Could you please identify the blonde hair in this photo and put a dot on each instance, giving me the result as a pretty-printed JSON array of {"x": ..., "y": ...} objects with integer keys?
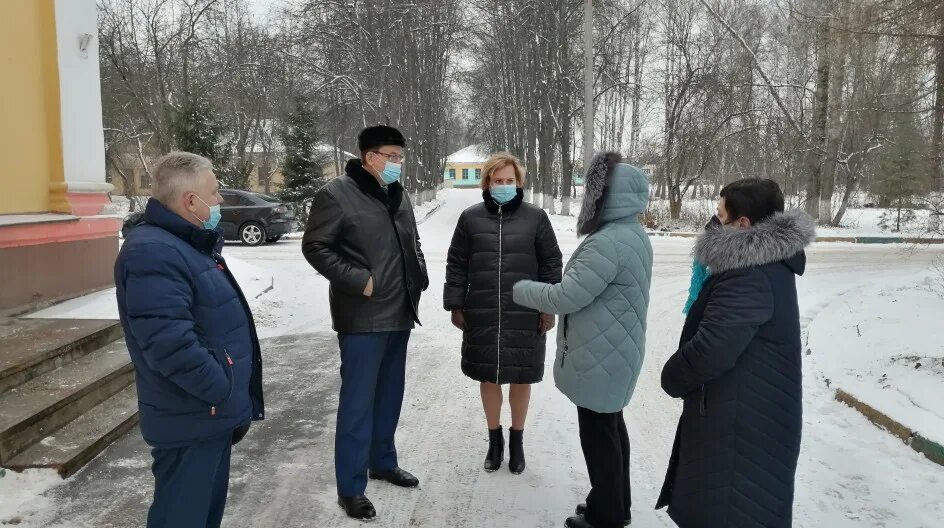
[{"x": 500, "y": 161}]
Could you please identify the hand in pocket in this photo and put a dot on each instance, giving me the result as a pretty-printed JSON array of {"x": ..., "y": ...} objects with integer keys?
[{"x": 458, "y": 319}]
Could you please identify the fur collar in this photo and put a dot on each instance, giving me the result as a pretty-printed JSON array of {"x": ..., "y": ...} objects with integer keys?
[
  {"x": 595, "y": 184},
  {"x": 369, "y": 185},
  {"x": 510, "y": 207},
  {"x": 779, "y": 238}
]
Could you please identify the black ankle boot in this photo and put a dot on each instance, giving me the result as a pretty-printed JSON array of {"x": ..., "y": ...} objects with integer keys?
[
  {"x": 516, "y": 451},
  {"x": 496, "y": 449}
]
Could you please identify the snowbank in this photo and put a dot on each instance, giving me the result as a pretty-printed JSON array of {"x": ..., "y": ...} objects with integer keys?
[
  {"x": 23, "y": 494},
  {"x": 882, "y": 345},
  {"x": 253, "y": 280}
]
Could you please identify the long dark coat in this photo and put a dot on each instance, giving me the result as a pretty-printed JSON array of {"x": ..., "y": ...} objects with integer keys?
[
  {"x": 738, "y": 369},
  {"x": 493, "y": 248}
]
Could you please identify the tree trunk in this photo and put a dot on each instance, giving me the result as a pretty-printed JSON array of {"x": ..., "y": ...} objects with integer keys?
[
  {"x": 837, "y": 67},
  {"x": 675, "y": 202},
  {"x": 565, "y": 136},
  {"x": 937, "y": 138},
  {"x": 851, "y": 181},
  {"x": 818, "y": 136}
]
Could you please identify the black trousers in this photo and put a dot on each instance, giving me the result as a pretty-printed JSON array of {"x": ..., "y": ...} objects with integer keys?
[{"x": 605, "y": 444}]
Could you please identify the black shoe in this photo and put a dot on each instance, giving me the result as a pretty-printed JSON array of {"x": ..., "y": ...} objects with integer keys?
[
  {"x": 358, "y": 507},
  {"x": 582, "y": 511},
  {"x": 516, "y": 451},
  {"x": 578, "y": 522},
  {"x": 496, "y": 449},
  {"x": 395, "y": 476}
]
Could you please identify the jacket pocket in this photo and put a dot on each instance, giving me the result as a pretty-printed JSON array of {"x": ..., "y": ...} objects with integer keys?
[{"x": 225, "y": 361}]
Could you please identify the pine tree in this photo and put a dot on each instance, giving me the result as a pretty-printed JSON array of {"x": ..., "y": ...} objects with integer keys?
[
  {"x": 902, "y": 174},
  {"x": 302, "y": 168},
  {"x": 195, "y": 130}
]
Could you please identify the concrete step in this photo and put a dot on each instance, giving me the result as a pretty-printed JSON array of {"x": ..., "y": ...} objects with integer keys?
[
  {"x": 39, "y": 407},
  {"x": 32, "y": 347},
  {"x": 82, "y": 439}
]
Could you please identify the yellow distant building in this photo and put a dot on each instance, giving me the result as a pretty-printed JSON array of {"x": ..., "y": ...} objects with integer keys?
[
  {"x": 56, "y": 237},
  {"x": 464, "y": 167}
]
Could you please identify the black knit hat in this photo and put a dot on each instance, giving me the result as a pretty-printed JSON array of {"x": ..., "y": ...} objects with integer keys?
[{"x": 379, "y": 136}]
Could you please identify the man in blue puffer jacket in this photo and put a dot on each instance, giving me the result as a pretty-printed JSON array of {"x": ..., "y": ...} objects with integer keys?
[{"x": 193, "y": 343}]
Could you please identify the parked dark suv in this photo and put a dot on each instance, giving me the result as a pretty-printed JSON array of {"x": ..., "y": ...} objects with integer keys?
[{"x": 254, "y": 218}]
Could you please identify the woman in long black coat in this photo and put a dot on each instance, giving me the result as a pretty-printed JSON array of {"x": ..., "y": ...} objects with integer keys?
[
  {"x": 496, "y": 244},
  {"x": 738, "y": 368}
]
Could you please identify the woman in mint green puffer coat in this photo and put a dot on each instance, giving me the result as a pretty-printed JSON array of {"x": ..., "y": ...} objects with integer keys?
[{"x": 601, "y": 339}]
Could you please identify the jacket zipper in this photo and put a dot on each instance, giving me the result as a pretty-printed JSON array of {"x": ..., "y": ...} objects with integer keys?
[
  {"x": 498, "y": 337},
  {"x": 564, "y": 354},
  {"x": 257, "y": 359}
]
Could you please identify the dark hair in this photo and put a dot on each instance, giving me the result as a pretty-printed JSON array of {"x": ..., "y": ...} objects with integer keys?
[
  {"x": 754, "y": 198},
  {"x": 378, "y": 136}
]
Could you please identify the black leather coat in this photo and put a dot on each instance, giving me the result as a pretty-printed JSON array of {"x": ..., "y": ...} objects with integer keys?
[{"x": 357, "y": 230}]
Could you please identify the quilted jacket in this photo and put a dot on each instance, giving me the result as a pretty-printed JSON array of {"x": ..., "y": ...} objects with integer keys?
[
  {"x": 492, "y": 248},
  {"x": 189, "y": 330},
  {"x": 604, "y": 294},
  {"x": 738, "y": 370}
]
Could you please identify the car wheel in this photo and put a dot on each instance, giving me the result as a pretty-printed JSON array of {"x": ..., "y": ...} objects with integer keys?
[
  {"x": 252, "y": 234},
  {"x": 274, "y": 239}
]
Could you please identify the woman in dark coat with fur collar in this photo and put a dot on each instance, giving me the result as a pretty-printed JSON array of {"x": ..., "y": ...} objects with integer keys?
[
  {"x": 497, "y": 243},
  {"x": 738, "y": 368}
]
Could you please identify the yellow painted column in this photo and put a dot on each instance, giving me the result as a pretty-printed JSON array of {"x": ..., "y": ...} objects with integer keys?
[{"x": 32, "y": 174}]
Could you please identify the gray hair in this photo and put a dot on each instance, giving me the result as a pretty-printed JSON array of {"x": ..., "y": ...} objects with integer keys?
[{"x": 176, "y": 173}]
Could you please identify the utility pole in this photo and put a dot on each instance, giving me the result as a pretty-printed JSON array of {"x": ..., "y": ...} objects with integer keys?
[{"x": 588, "y": 83}]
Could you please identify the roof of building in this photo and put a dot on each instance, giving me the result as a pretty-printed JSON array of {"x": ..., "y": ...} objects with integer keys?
[{"x": 470, "y": 154}]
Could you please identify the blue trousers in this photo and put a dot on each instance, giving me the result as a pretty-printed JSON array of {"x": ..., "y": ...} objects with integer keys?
[
  {"x": 373, "y": 368},
  {"x": 190, "y": 485}
]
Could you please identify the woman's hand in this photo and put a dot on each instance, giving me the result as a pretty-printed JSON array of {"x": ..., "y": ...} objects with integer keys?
[
  {"x": 545, "y": 323},
  {"x": 458, "y": 319}
]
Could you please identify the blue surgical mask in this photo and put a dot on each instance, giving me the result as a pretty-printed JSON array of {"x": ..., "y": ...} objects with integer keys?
[
  {"x": 215, "y": 215},
  {"x": 503, "y": 194},
  {"x": 391, "y": 173}
]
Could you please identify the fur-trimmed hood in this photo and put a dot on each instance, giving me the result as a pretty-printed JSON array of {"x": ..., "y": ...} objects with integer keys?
[
  {"x": 782, "y": 237},
  {"x": 612, "y": 191}
]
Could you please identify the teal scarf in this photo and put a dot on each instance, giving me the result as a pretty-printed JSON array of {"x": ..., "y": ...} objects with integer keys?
[{"x": 699, "y": 278}]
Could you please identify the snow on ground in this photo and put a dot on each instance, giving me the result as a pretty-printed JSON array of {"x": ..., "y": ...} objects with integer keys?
[
  {"x": 253, "y": 280},
  {"x": 850, "y": 474},
  {"x": 18, "y": 489},
  {"x": 900, "y": 488},
  {"x": 877, "y": 344}
]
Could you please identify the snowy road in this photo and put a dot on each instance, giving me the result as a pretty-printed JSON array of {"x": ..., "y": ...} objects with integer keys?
[{"x": 850, "y": 475}]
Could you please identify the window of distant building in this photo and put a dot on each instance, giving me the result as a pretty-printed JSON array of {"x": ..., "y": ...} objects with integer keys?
[
  {"x": 465, "y": 174},
  {"x": 452, "y": 174}
]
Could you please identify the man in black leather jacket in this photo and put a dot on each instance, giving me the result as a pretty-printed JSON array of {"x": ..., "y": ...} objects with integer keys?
[{"x": 362, "y": 237}]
